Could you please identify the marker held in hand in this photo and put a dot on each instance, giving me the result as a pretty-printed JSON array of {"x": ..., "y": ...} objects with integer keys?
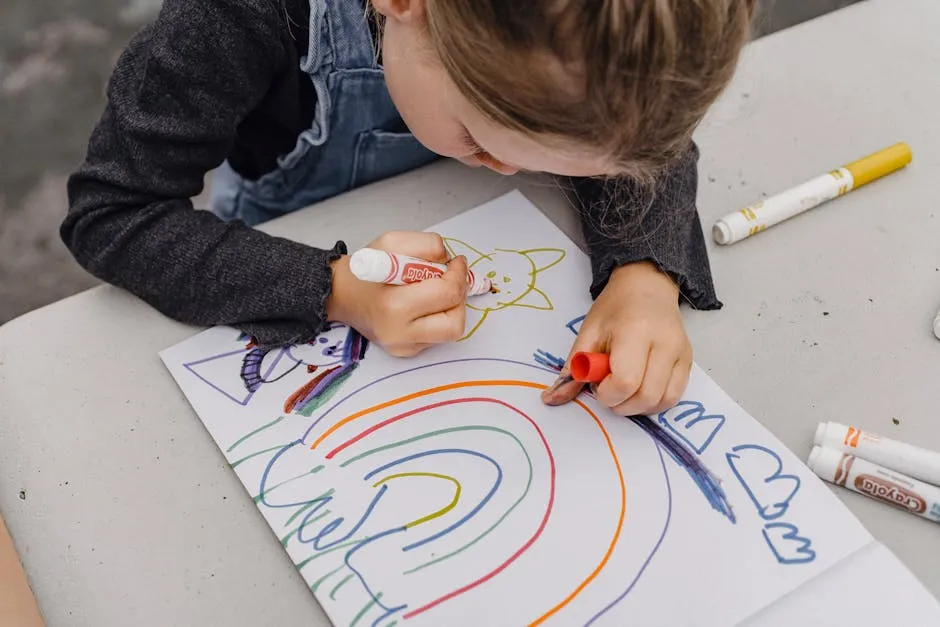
[
  {"x": 379, "y": 266},
  {"x": 588, "y": 367}
]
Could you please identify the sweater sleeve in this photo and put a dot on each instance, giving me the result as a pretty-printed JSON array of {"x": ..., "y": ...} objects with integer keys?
[
  {"x": 175, "y": 99},
  {"x": 626, "y": 222}
]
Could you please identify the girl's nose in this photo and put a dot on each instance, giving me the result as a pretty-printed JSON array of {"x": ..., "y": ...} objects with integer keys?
[
  {"x": 496, "y": 165},
  {"x": 505, "y": 170},
  {"x": 470, "y": 161},
  {"x": 483, "y": 159}
]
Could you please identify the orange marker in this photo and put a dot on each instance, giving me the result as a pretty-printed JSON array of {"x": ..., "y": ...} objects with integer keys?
[{"x": 590, "y": 367}]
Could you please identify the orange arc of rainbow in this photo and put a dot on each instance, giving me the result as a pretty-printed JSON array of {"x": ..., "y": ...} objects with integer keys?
[{"x": 528, "y": 384}]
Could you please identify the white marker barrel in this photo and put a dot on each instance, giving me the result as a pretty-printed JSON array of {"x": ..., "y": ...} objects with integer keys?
[
  {"x": 877, "y": 482},
  {"x": 379, "y": 266},
  {"x": 911, "y": 460},
  {"x": 936, "y": 325},
  {"x": 765, "y": 213}
]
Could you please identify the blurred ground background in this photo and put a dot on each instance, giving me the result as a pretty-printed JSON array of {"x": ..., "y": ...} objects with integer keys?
[{"x": 55, "y": 59}]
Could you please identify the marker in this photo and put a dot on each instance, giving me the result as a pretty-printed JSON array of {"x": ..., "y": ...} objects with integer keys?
[
  {"x": 589, "y": 367},
  {"x": 877, "y": 482},
  {"x": 753, "y": 219},
  {"x": 379, "y": 266},
  {"x": 936, "y": 325},
  {"x": 911, "y": 460}
]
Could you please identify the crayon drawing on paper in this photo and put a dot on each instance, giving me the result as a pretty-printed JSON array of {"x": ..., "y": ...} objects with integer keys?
[{"x": 439, "y": 490}]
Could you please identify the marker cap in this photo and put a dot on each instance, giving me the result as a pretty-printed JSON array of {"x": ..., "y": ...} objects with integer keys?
[
  {"x": 368, "y": 264},
  {"x": 830, "y": 434},
  {"x": 722, "y": 232},
  {"x": 824, "y": 461},
  {"x": 590, "y": 367},
  {"x": 876, "y": 165}
]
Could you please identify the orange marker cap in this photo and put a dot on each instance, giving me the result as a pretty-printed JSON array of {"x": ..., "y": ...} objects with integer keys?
[{"x": 590, "y": 367}]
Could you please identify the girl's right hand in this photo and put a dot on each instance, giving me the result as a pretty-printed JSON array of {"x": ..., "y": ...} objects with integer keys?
[{"x": 403, "y": 319}]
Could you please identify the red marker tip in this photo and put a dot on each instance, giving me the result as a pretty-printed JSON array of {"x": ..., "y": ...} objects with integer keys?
[{"x": 590, "y": 367}]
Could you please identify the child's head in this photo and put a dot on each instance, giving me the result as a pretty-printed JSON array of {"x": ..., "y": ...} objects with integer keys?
[{"x": 579, "y": 88}]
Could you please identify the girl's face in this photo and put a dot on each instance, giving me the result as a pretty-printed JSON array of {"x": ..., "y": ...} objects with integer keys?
[
  {"x": 325, "y": 350},
  {"x": 445, "y": 122}
]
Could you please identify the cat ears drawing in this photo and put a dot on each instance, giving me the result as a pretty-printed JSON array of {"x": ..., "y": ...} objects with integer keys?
[{"x": 514, "y": 272}]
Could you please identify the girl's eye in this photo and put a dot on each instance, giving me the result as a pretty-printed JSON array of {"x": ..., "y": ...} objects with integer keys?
[
  {"x": 484, "y": 157},
  {"x": 471, "y": 144}
]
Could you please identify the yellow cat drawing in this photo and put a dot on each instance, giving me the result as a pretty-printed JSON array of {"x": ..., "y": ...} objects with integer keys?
[{"x": 514, "y": 272}]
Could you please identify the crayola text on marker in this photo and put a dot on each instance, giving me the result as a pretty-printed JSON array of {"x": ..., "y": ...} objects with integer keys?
[
  {"x": 379, "y": 266},
  {"x": 911, "y": 460},
  {"x": 882, "y": 484}
]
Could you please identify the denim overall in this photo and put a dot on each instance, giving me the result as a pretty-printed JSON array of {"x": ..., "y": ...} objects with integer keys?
[{"x": 357, "y": 136}]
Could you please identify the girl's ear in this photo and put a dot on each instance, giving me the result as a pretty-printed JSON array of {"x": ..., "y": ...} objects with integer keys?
[{"x": 400, "y": 10}]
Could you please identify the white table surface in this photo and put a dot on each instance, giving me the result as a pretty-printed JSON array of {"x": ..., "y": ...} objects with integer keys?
[{"x": 131, "y": 516}]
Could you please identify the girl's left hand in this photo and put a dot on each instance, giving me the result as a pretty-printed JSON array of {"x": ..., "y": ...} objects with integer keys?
[{"x": 635, "y": 320}]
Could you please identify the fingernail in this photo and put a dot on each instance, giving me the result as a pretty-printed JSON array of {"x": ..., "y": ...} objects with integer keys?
[
  {"x": 552, "y": 400},
  {"x": 562, "y": 379},
  {"x": 553, "y": 396}
]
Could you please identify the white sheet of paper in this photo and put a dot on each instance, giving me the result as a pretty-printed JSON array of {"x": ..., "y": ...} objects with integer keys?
[
  {"x": 870, "y": 587},
  {"x": 439, "y": 490}
]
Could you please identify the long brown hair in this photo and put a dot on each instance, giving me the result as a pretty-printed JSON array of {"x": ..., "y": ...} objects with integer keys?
[{"x": 630, "y": 79}]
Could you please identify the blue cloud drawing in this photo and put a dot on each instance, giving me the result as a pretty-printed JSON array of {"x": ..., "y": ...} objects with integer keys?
[
  {"x": 692, "y": 425},
  {"x": 788, "y": 546},
  {"x": 760, "y": 472}
]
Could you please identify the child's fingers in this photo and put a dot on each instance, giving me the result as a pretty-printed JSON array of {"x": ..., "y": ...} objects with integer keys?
[
  {"x": 420, "y": 244},
  {"x": 457, "y": 272},
  {"x": 564, "y": 389},
  {"x": 677, "y": 384},
  {"x": 649, "y": 397},
  {"x": 435, "y": 295},
  {"x": 429, "y": 312},
  {"x": 444, "y": 312},
  {"x": 439, "y": 328},
  {"x": 407, "y": 350},
  {"x": 628, "y": 360}
]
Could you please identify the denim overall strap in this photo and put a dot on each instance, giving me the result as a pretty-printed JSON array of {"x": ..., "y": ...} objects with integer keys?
[
  {"x": 340, "y": 39},
  {"x": 348, "y": 34},
  {"x": 356, "y": 136}
]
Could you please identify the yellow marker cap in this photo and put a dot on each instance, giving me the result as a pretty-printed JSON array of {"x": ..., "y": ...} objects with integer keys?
[{"x": 878, "y": 164}]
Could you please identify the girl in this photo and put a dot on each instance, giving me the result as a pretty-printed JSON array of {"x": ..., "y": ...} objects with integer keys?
[{"x": 293, "y": 103}]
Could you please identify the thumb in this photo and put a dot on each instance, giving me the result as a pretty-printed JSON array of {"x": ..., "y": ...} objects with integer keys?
[
  {"x": 565, "y": 388},
  {"x": 458, "y": 267},
  {"x": 457, "y": 275}
]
